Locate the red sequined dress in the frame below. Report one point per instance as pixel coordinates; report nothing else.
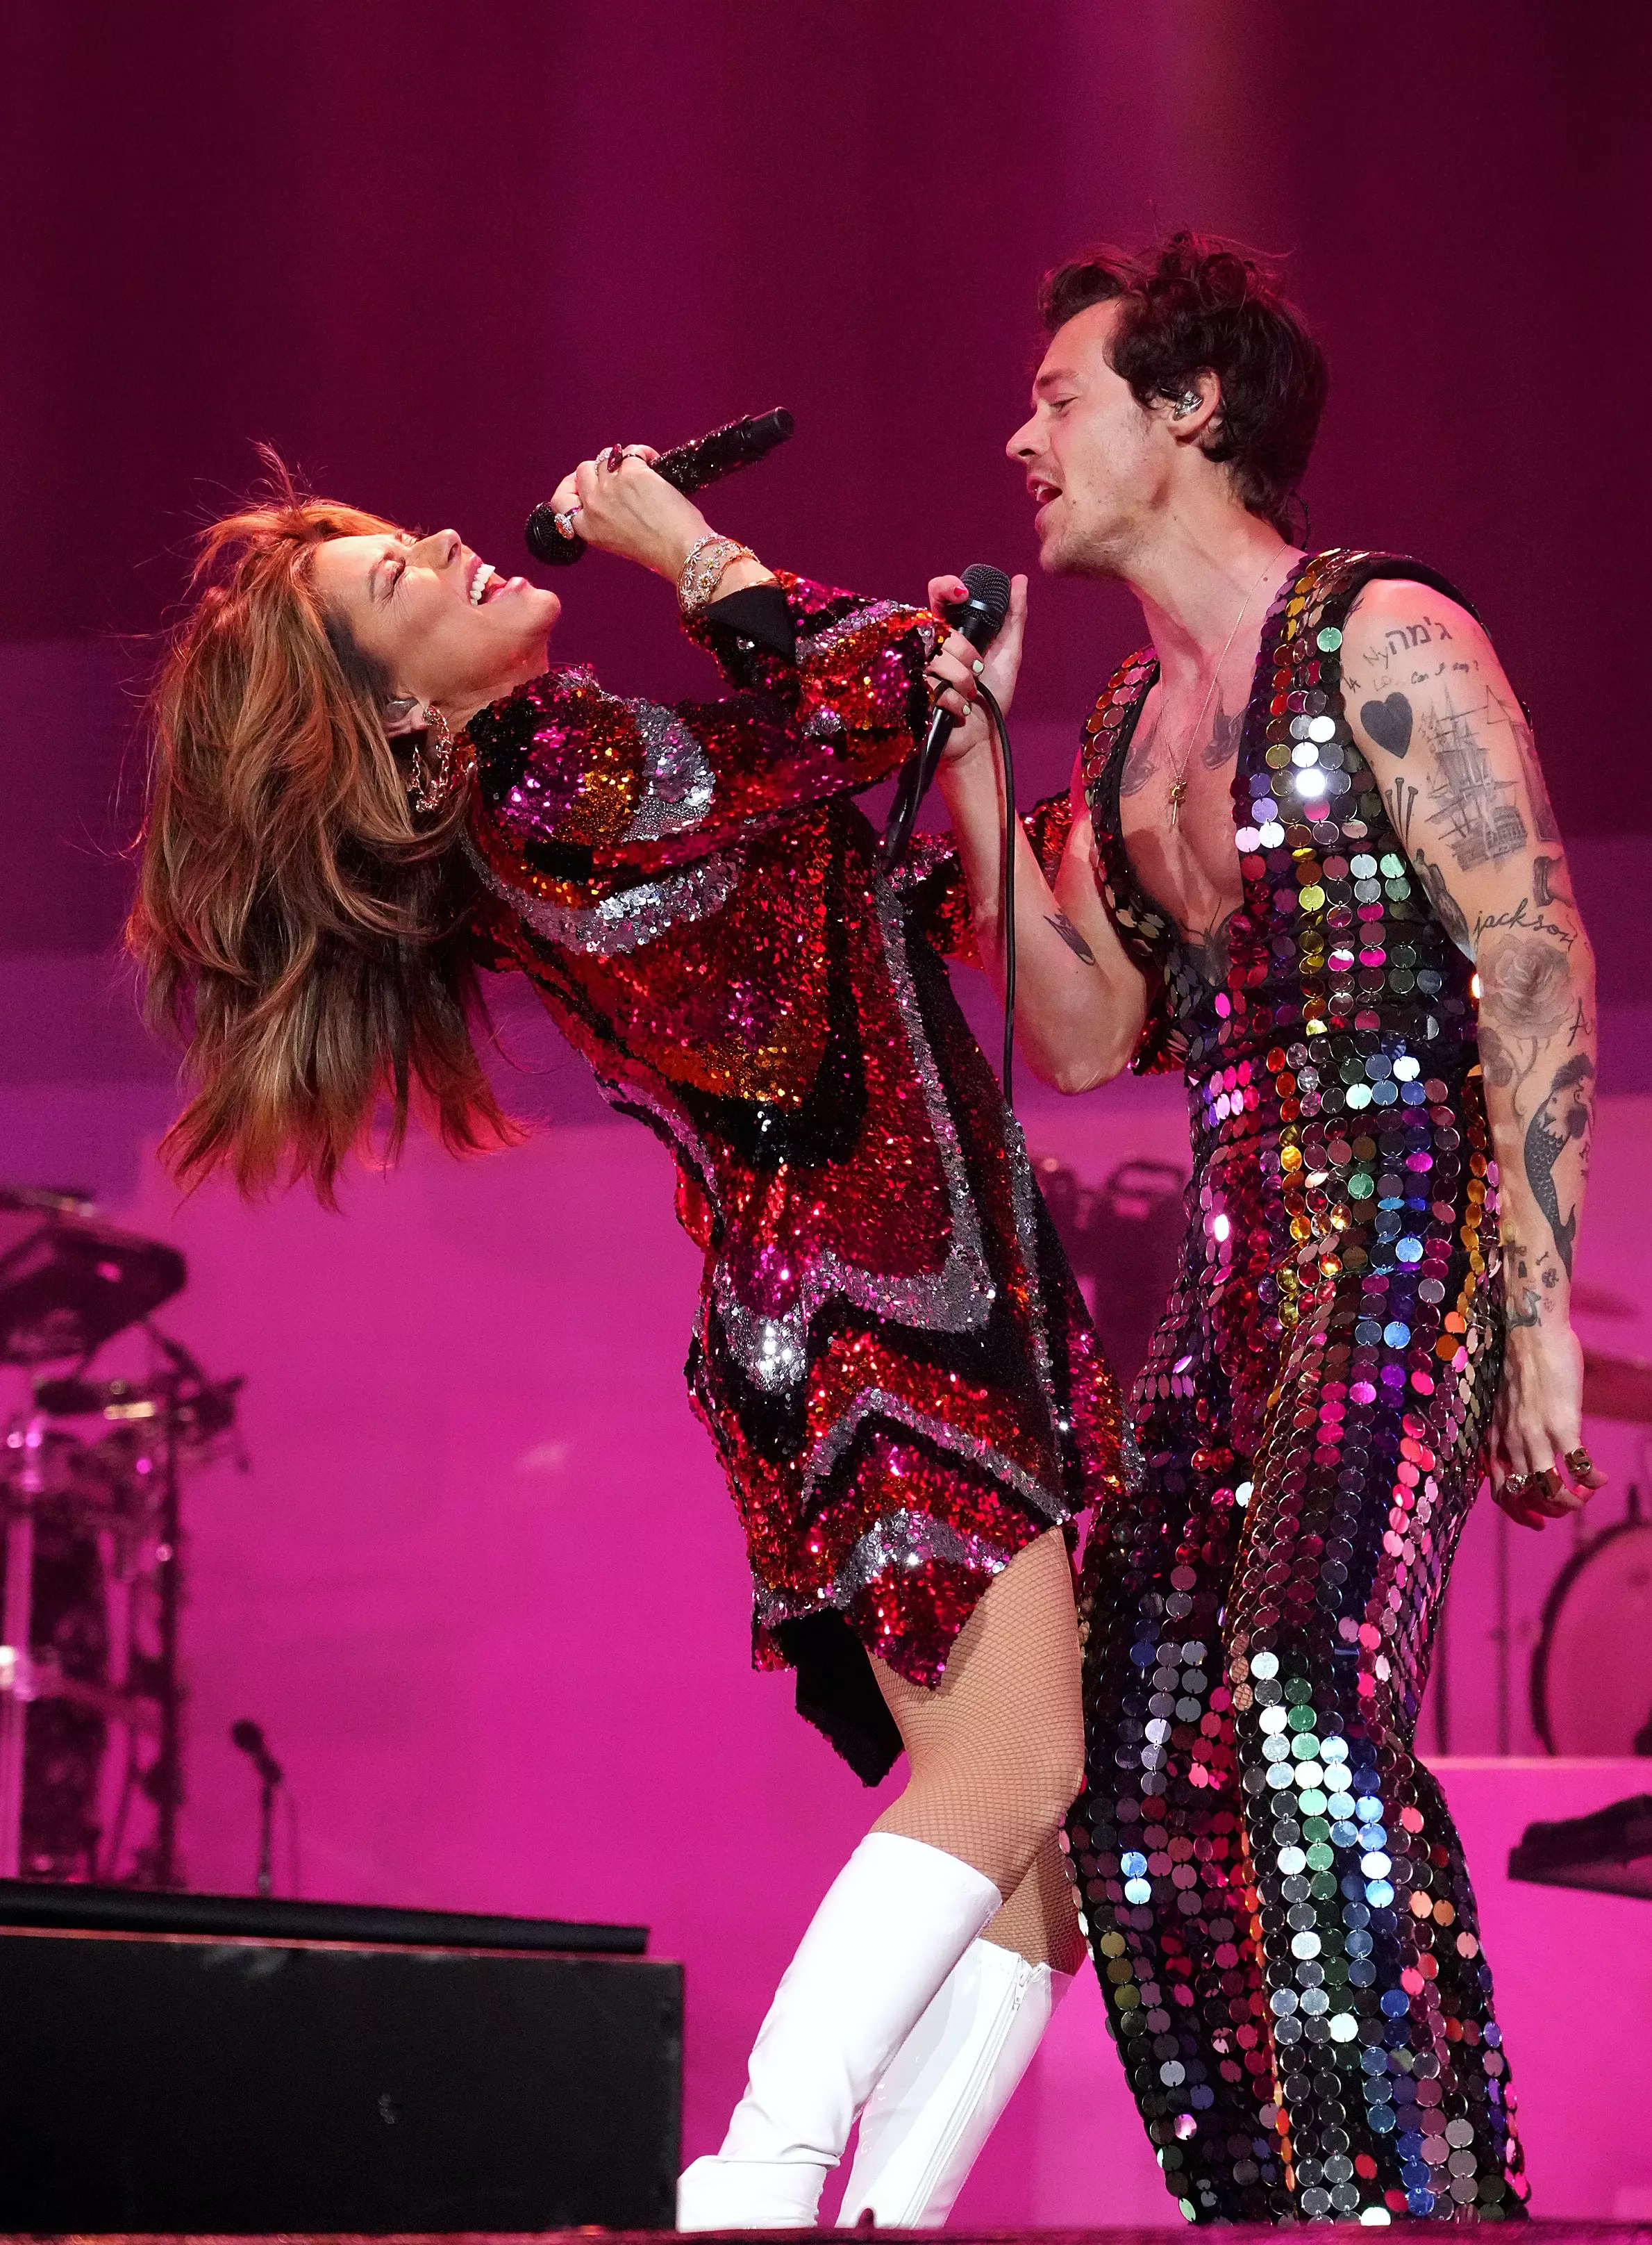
(1276, 1894)
(890, 1353)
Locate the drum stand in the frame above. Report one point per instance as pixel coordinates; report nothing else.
(17, 1681)
(163, 1780)
(131, 1501)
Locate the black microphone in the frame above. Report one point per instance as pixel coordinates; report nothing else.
(686, 467)
(980, 618)
(250, 1739)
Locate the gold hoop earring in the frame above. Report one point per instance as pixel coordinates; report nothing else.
(431, 789)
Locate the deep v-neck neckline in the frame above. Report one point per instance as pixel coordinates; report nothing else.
(1154, 917)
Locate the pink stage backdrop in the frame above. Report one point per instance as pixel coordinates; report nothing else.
(483, 1585)
(481, 1582)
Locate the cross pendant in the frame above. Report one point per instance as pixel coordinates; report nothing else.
(1178, 789)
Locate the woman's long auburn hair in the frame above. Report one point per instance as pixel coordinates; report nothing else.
(291, 924)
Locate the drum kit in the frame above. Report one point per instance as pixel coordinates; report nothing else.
(1591, 1674)
(91, 1472)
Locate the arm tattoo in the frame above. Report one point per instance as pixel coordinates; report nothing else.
(1537, 794)
(1543, 888)
(1526, 988)
(1448, 911)
(1523, 916)
(1468, 804)
(1567, 1113)
(1401, 799)
(1507, 1070)
(1523, 1302)
(1069, 935)
(1527, 1310)
(1525, 1000)
(1389, 723)
(1404, 639)
(1497, 1061)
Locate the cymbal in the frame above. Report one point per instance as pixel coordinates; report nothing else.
(1616, 1388)
(198, 1408)
(68, 1282)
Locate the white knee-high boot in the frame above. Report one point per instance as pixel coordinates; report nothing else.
(946, 2088)
(894, 1923)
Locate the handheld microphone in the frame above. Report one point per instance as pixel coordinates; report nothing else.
(686, 467)
(250, 1739)
(980, 618)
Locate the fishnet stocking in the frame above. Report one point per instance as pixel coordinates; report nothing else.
(996, 1750)
(1041, 1920)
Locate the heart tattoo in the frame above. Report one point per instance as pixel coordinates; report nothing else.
(1389, 723)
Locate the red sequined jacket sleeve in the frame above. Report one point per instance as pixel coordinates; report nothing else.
(584, 790)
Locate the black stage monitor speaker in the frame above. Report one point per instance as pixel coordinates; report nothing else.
(254, 2082)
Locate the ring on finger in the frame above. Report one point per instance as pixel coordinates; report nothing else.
(1514, 1485)
(1548, 1480)
(1579, 1462)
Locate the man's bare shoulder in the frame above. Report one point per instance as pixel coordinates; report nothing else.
(1409, 637)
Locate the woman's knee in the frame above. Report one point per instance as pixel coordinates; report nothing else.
(1033, 1774)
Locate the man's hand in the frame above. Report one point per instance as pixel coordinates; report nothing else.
(619, 505)
(1537, 1427)
(956, 667)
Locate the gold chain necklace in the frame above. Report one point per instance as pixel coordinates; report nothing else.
(1179, 784)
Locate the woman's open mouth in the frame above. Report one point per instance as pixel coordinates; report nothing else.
(487, 584)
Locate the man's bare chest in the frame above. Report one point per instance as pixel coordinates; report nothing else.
(1177, 814)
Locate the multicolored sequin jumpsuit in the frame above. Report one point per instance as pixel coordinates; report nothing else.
(1275, 1898)
(890, 1354)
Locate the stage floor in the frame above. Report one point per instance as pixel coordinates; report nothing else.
(1536, 2233)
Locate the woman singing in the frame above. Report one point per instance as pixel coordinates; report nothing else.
(367, 782)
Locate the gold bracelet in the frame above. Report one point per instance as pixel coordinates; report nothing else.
(703, 572)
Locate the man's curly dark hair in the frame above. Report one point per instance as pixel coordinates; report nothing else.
(1196, 305)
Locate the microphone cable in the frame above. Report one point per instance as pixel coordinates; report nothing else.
(984, 693)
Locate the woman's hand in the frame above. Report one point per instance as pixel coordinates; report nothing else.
(617, 504)
(1537, 1430)
(955, 668)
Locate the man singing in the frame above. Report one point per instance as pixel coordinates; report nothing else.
(1308, 857)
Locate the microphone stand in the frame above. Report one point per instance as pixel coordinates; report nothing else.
(264, 1884)
(247, 1737)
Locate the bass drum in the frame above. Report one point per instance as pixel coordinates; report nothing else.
(1591, 1671)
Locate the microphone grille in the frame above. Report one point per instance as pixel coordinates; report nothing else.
(545, 542)
(991, 588)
